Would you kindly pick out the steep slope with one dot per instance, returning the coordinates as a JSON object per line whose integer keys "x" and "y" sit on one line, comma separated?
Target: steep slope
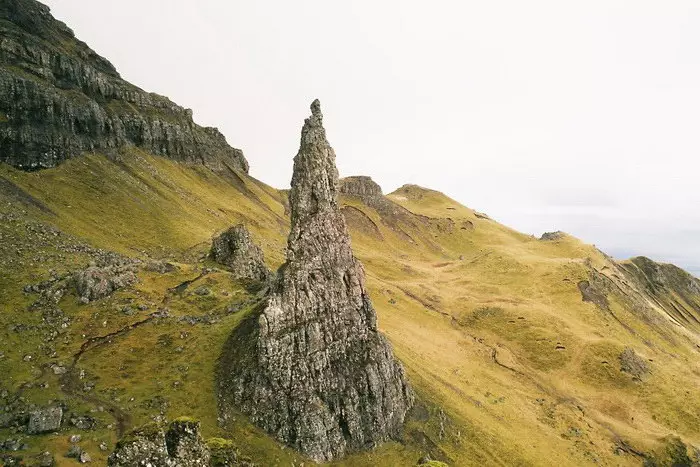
{"x": 59, "y": 99}
{"x": 515, "y": 346}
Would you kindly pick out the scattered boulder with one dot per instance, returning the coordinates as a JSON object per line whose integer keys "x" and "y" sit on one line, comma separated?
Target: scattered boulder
{"x": 45, "y": 459}
{"x": 83, "y": 422}
{"x": 45, "y": 420}
{"x": 184, "y": 443}
{"x": 633, "y": 364}
{"x": 96, "y": 282}
{"x": 236, "y": 250}
{"x": 310, "y": 367}
{"x": 162, "y": 267}
{"x": 180, "y": 445}
{"x": 202, "y": 290}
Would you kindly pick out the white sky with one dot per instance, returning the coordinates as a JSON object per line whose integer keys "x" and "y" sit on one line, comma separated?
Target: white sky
{"x": 547, "y": 115}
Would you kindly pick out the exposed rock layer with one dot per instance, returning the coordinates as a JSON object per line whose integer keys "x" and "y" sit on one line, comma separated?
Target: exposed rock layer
{"x": 59, "y": 99}
{"x": 311, "y": 367}
{"x": 361, "y": 186}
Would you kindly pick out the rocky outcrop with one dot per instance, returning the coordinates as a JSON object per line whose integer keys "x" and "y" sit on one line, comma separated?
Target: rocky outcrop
{"x": 553, "y": 236}
{"x": 59, "y": 99}
{"x": 310, "y": 367}
{"x": 97, "y": 282}
{"x": 181, "y": 445}
{"x": 235, "y": 249}
{"x": 360, "y": 186}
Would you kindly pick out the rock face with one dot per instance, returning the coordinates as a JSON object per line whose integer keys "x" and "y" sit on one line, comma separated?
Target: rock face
{"x": 59, "y": 99}
{"x": 181, "y": 445}
{"x": 361, "y": 186}
{"x": 311, "y": 367}
{"x": 235, "y": 249}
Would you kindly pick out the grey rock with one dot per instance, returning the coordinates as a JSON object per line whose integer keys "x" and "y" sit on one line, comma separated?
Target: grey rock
{"x": 633, "y": 364}
{"x": 59, "y": 99}
{"x": 45, "y": 459}
{"x": 45, "y": 420}
{"x": 74, "y": 451}
{"x": 360, "y": 186}
{"x": 74, "y": 439}
{"x": 235, "y": 249}
{"x": 84, "y": 458}
{"x": 202, "y": 290}
{"x": 311, "y": 368}
{"x": 553, "y": 236}
{"x": 97, "y": 282}
{"x": 181, "y": 445}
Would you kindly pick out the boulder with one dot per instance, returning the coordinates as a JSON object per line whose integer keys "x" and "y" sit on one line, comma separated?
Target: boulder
{"x": 236, "y": 250}
{"x": 179, "y": 446}
{"x": 45, "y": 420}
{"x": 95, "y": 282}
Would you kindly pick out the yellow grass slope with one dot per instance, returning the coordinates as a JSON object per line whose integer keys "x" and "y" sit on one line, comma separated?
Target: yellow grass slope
{"x": 511, "y": 365}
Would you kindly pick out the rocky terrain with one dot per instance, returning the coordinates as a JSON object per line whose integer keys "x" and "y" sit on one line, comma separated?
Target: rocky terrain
{"x": 140, "y": 322}
{"x": 311, "y": 368}
{"x": 59, "y": 99}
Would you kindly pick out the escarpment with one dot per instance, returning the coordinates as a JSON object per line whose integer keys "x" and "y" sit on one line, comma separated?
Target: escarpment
{"x": 311, "y": 367}
{"x": 59, "y": 99}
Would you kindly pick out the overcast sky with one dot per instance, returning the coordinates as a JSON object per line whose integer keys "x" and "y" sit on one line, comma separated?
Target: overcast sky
{"x": 547, "y": 115}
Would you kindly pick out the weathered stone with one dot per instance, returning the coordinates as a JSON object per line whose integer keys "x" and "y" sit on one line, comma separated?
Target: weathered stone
{"x": 311, "y": 367}
{"x": 96, "y": 282}
{"x": 185, "y": 444}
{"x": 58, "y": 99}
{"x": 633, "y": 364}
{"x": 553, "y": 236}
{"x": 235, "y": 249}
{"x": 180, "y": 446}
{"x": 45, "y": 459}
{"x": 45, "y": 420}
{"x": 360, "y": 186}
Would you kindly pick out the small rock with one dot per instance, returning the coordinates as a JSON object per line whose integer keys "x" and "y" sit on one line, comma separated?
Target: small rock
{"x": 84, "y": 458}
{"x": 75, "y": 439}
{"x": 74, "y": 452}
{"x": 202, "y": 291}
{"x": 45, "y": 459}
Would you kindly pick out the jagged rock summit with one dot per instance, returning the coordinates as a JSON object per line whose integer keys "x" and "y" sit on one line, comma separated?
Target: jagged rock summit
{"x": 59, "y": 99}
{"x": 311, "y": 367}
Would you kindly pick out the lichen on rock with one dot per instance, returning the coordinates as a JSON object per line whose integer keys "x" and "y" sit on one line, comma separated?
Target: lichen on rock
{"x": 181, "y": 445}
{"x": 311, "y": 367}
{"x": 235, "y": 249}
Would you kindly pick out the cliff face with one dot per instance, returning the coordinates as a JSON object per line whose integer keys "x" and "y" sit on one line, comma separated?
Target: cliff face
{"x": 58, "y": 99}
{"x": 311, "y": 368}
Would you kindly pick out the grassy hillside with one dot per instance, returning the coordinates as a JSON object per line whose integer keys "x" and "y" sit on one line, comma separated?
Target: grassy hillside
{"x": 512, "y": 366}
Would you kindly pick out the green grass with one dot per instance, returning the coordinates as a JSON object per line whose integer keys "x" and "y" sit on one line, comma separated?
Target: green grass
{"x": 446, "y": 297}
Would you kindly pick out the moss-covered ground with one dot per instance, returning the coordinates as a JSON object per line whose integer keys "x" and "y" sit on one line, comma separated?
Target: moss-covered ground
{"x": 511, "y": 366}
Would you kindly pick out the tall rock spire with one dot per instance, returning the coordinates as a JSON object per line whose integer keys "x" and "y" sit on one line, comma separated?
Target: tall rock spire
{"x": 311, "y": 367}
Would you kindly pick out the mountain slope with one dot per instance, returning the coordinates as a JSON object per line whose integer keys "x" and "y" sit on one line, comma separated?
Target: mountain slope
{"x": 509, "y": 361}
{"x": 521, "y": 351}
